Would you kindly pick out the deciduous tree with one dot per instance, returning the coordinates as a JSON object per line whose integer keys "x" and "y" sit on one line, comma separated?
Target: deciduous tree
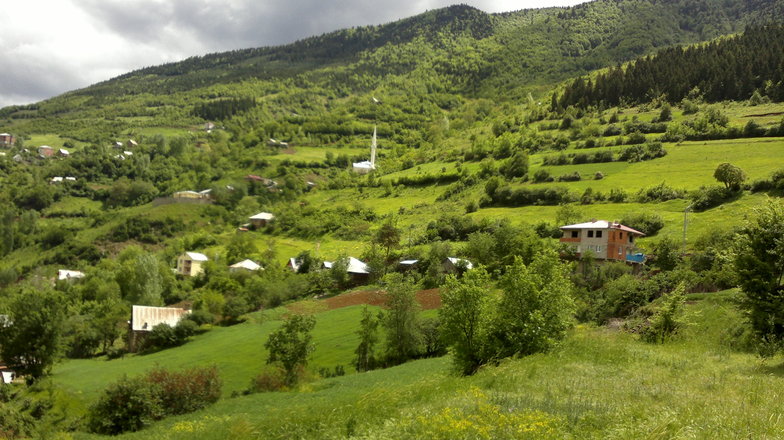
{"x": 291, "y": 345}
{"x": 760, "y": 266}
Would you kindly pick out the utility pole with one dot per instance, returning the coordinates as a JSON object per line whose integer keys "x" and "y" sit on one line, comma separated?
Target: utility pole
{"x": 685, "y": 227}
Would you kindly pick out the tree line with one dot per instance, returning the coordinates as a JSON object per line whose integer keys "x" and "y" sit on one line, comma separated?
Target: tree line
{"x": 728, "y": 69}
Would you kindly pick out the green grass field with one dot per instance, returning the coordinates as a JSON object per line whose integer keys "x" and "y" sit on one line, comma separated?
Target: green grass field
{"x": 238, "y": 352}
{"x": 599, "y": 384}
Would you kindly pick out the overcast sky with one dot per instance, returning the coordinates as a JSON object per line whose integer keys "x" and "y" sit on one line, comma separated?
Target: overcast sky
{"x": 49, "y": 47}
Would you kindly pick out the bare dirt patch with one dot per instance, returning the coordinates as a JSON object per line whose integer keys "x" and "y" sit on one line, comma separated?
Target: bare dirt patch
{"x": 428, "y": 299}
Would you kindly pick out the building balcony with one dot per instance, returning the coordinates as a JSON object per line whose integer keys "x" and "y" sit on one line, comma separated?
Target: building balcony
{"x": 636, "y": 258}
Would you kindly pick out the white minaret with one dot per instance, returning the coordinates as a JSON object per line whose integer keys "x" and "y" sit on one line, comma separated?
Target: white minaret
{"x": 373, "y": 150}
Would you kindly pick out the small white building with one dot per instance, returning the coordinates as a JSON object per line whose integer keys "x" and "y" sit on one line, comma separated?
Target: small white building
{"x": 261, "y": 219}
{"x": 145, "y": 318}
{"x": 454, "y": 265}
{"x": 67, "y": 275}
{"x": 358, "y": 270}
{"x": 6, "y": 375}
{"x": 190, "y": 264}
{"x": 248, "y": 265}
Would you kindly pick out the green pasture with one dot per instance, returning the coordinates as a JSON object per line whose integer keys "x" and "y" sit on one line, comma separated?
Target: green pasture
{"x": 598, "y": 384}
{"x": 237, "y": 351}
{"x": 688, "y": 165}
{"x": 52, "y": 140}
{"x": 723, "y": 217}
{"x": 309, "y": 154}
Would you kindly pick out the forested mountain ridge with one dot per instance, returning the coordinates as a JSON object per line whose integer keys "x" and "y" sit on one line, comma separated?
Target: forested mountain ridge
{"x": 491, "y": 55}
{"x": 728, "y": 69}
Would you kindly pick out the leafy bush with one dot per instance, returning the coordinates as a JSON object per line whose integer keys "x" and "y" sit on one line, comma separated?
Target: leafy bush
{"x": 131, "y": 404}
{"x": 619, "y": 298}
{"x": 667, "y": 319}
{"x": 617, "y": 195}
{"x": 707, "y": 197}
{"x": 181, "y": 392}
{"x": 200, "y": 317}
{"x": 570, "y": 177}
{"x": 659, "y": 193}
{"x": 271, "y": 378}
{"x": 161, "y": 336}
{"x": 542, "y": 175}
{"x": 165, "y": 336}
{"x": 126, "y": 405}
{"x": 649, "y": 223}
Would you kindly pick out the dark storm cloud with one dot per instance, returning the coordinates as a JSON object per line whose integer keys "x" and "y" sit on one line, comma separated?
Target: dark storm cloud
{"x": 29, "y": 80}
{"x": 242, "y": 23}
{"x": 67, "y": 44}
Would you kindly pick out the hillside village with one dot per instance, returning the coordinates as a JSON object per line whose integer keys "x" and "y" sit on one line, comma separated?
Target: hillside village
{"x": 547, "y": 223}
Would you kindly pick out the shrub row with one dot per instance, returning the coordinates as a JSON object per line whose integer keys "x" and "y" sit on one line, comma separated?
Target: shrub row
{"x": 132, "y": 403}
{"x": 637, "y": 153}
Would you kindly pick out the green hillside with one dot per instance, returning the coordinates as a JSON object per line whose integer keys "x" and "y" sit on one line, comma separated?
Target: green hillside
{"x": 493, "y": 130}
{"x": 599, "y": 384}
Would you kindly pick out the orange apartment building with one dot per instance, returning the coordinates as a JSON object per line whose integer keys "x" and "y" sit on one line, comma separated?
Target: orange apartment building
{"x": 605, "y": 240}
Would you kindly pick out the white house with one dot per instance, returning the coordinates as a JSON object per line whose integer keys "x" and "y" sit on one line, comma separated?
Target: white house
{"x": 248, "y": 265}
{"x": 452, "y": 264}
{"x": 261, "y": 219}
{"x": 190, "y": 264}
{"x": 65, "y": 274}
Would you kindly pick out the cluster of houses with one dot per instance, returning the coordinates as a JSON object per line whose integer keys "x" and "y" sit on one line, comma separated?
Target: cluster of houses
{"x": 605, "y": 241}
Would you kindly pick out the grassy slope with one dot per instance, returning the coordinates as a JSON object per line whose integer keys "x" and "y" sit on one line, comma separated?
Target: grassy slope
{"x": 237, "y": 351}
{"x": 599, "y": 384}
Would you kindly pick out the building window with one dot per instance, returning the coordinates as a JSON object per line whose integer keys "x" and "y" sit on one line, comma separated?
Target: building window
{"x": 620, "y": 235}
{"x": 631, "y": 238}
{"x": 590, "y": 234}
{"x": 575, "y": 234}
{"x": 620, "y": 250}
{"x": 598, "y": 234}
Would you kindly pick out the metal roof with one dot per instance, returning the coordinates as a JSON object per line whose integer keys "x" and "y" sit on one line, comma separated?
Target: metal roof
{"x": 354, "y": 266}
{"x": 144, "y": 318}
{"x": 460, "y": 261}
{"x": 247, "y": 264}
{"x": 601, "y": 224}
{"x": 263, "y": 216}
{"x": 65, "y": 274}
{"x": 195, "y": 256}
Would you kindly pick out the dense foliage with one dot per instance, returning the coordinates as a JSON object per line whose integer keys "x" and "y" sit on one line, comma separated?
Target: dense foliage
{"x": 727, "y": 69}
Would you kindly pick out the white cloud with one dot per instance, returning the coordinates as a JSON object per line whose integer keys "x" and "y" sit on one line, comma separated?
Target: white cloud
{"x": 53, "y": 46}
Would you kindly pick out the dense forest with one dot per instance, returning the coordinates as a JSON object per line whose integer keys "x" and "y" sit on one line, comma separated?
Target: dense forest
{"x": 732, "y": 69}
